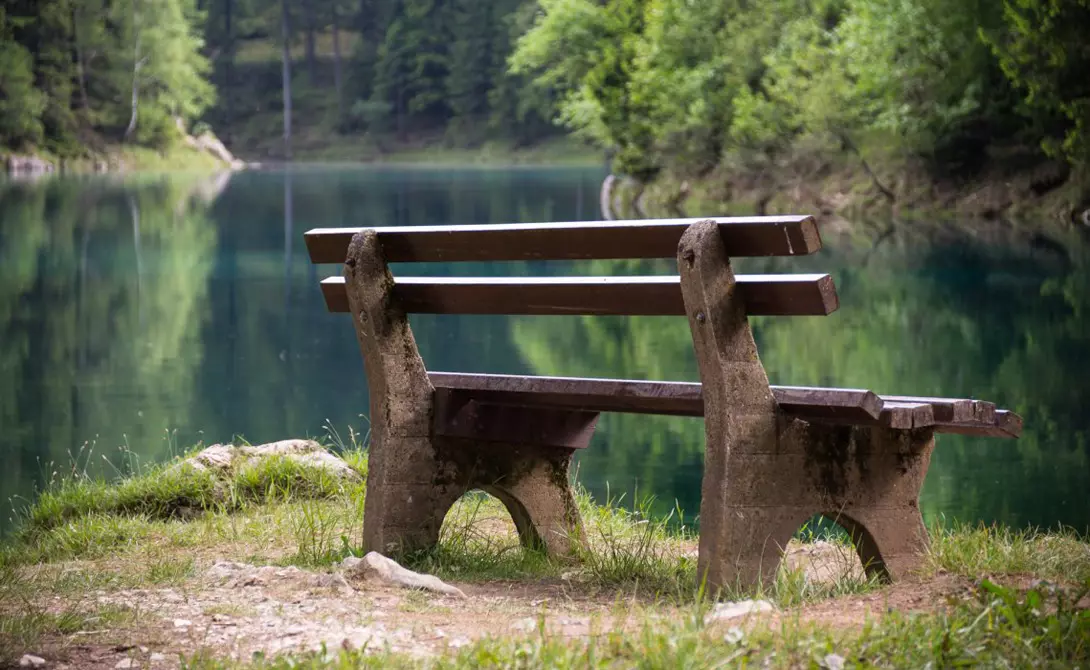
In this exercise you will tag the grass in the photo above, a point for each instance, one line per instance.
(84, 536)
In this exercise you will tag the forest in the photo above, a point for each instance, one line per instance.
(657, 84)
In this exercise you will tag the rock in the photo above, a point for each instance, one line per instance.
(182, 623)
(734, 635)
(209, 143)
(527, 625)
(833, 662)
(223, 457)
(29, 166)
(727, 611)
(126, 663)
(31, 661)
(376, 566)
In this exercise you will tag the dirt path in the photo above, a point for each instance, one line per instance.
(238, 610)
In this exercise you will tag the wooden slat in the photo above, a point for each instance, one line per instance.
(832, 405)
(653, 238)
(1006, 424)
(828, 404)
(952, 410)
(782, 295)
(907, 415)
(595, 395)
(644, 397)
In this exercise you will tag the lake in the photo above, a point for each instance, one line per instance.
(143, 315)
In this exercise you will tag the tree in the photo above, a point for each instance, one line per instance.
(588, 54)
(167, 69)
(285, 60)
(21, 104)
(470, 65)
(1043, 50)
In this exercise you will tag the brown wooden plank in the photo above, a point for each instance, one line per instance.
(832, 405)
(952, 410)
(458, 414)
(597, 395)
(907, 415)
(644, 397)
(652, 238)
(782, 295)
(1006, 424)
(828, 404)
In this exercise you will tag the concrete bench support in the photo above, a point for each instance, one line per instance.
(428, 449)
(766, 473)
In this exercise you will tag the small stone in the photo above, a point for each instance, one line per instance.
(125, 663)
(526, 625)
(182, 623)
(31, 661)
(157, 657)
(833, 662)
(726, 611)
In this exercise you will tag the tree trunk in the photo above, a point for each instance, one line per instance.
(229, 74)
(337, 85)
(286, 74)
(312, 69)
(847, 142)
(137, 62)
(81, 68)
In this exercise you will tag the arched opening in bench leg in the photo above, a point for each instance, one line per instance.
(478, 521)
(824, 554)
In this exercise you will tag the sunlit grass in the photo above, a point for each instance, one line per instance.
(978, 550)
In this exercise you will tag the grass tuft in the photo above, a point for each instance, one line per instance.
(976, 550)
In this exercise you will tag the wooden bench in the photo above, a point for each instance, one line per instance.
(775, 455)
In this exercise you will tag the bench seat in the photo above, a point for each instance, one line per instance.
(827, 405)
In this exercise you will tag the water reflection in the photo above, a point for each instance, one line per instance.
(135, 308)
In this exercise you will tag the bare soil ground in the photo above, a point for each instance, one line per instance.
(241, 611)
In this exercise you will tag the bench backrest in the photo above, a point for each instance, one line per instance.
(804, 294)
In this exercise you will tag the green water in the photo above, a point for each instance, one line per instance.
(141, 316)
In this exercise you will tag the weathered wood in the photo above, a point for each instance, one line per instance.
(646, 397)
(827, 405)
(951, 410)
(1006, 424)
(907, 415)
(462, 414)
(743, 236)
(779, 295)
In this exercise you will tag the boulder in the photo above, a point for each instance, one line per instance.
(225, 457)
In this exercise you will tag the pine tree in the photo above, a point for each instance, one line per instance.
(470, 64)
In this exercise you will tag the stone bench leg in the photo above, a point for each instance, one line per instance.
(419, 464)
(766, 474)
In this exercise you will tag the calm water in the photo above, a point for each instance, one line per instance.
(153, 313)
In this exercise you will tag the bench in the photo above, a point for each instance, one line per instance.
(774, 455)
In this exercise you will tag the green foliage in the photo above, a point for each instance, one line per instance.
(72, 68)
(676, 84)
(21, 104)
(1042, 49)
